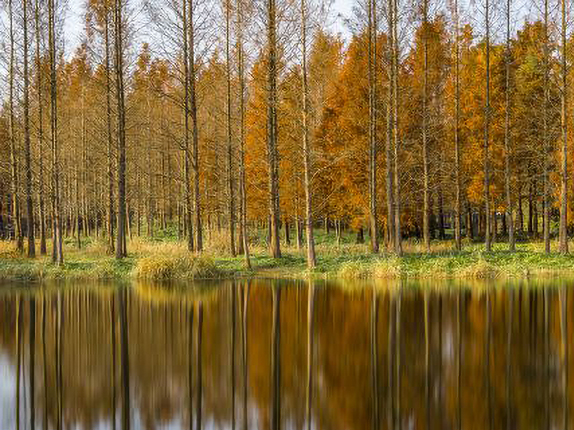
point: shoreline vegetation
(162, 259)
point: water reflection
(285, 355)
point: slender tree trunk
(395, 67)
(230, 185)
(186, 113)
(372, 48)
(16, 219)
(425, 150)
(507, 144)
(27, 140)
(389, 137)
(486, 157)
(121, 250)
(272, 152)
(545, 144)
(110, 205)
(243, 185)
(457, 148)
(57, 251)
(195, 135)
(563, 232)
(307, 166)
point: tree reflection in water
(287, 354)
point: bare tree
(121, 249)
(425, 151)
(27, 140)
(311, 259)
(57, 245)
(230, 185)
(372, 54)
(545, 132)
(507, 144)
(486, 157)
(16, 219)
(272, 152)
(457, 146)
(563, 232)
(40, 87)
(242, 178)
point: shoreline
(156, 262)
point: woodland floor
(166, 258)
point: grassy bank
(168, 259)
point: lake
(269, 354)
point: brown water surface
(265, 354)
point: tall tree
(57, 243)
(425, 149)
(545, 133)
(372, 55)
(27, 139)
(507, 133)
(393, 12)
(389, 162)
(311, 259)
(230, 185)
(40, 93)
(486, 145)
(272, 152)
(563, 232)
(242, 175)
(195, 128)
(457, 146)
(16, 219)
(186, 108)
(121, 248)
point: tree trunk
(27, 140)
(121, 250)
(372, 48)
(425, 154)
(57, 245)
(389, 137)
(230, 185)
(307, 166)
(110, 205)
(16, 219)
(509, 214)
(195, 135)
(272, 152)
(395, 72)
(457, 149)
(563, 232)
(486, 161)
(186, 112)
(243, 185)
(545, 144)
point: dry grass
(164, 267)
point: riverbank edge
(187, 267)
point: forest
(243, 128)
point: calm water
(270, 354)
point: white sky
(76, 7)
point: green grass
(165, 258)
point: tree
(507, 144)
(563, 232)
(487, 113)
(372, 53)
(57, 245)
(311, 259)
(272, 153)
(121, 248)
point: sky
(74, 20)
